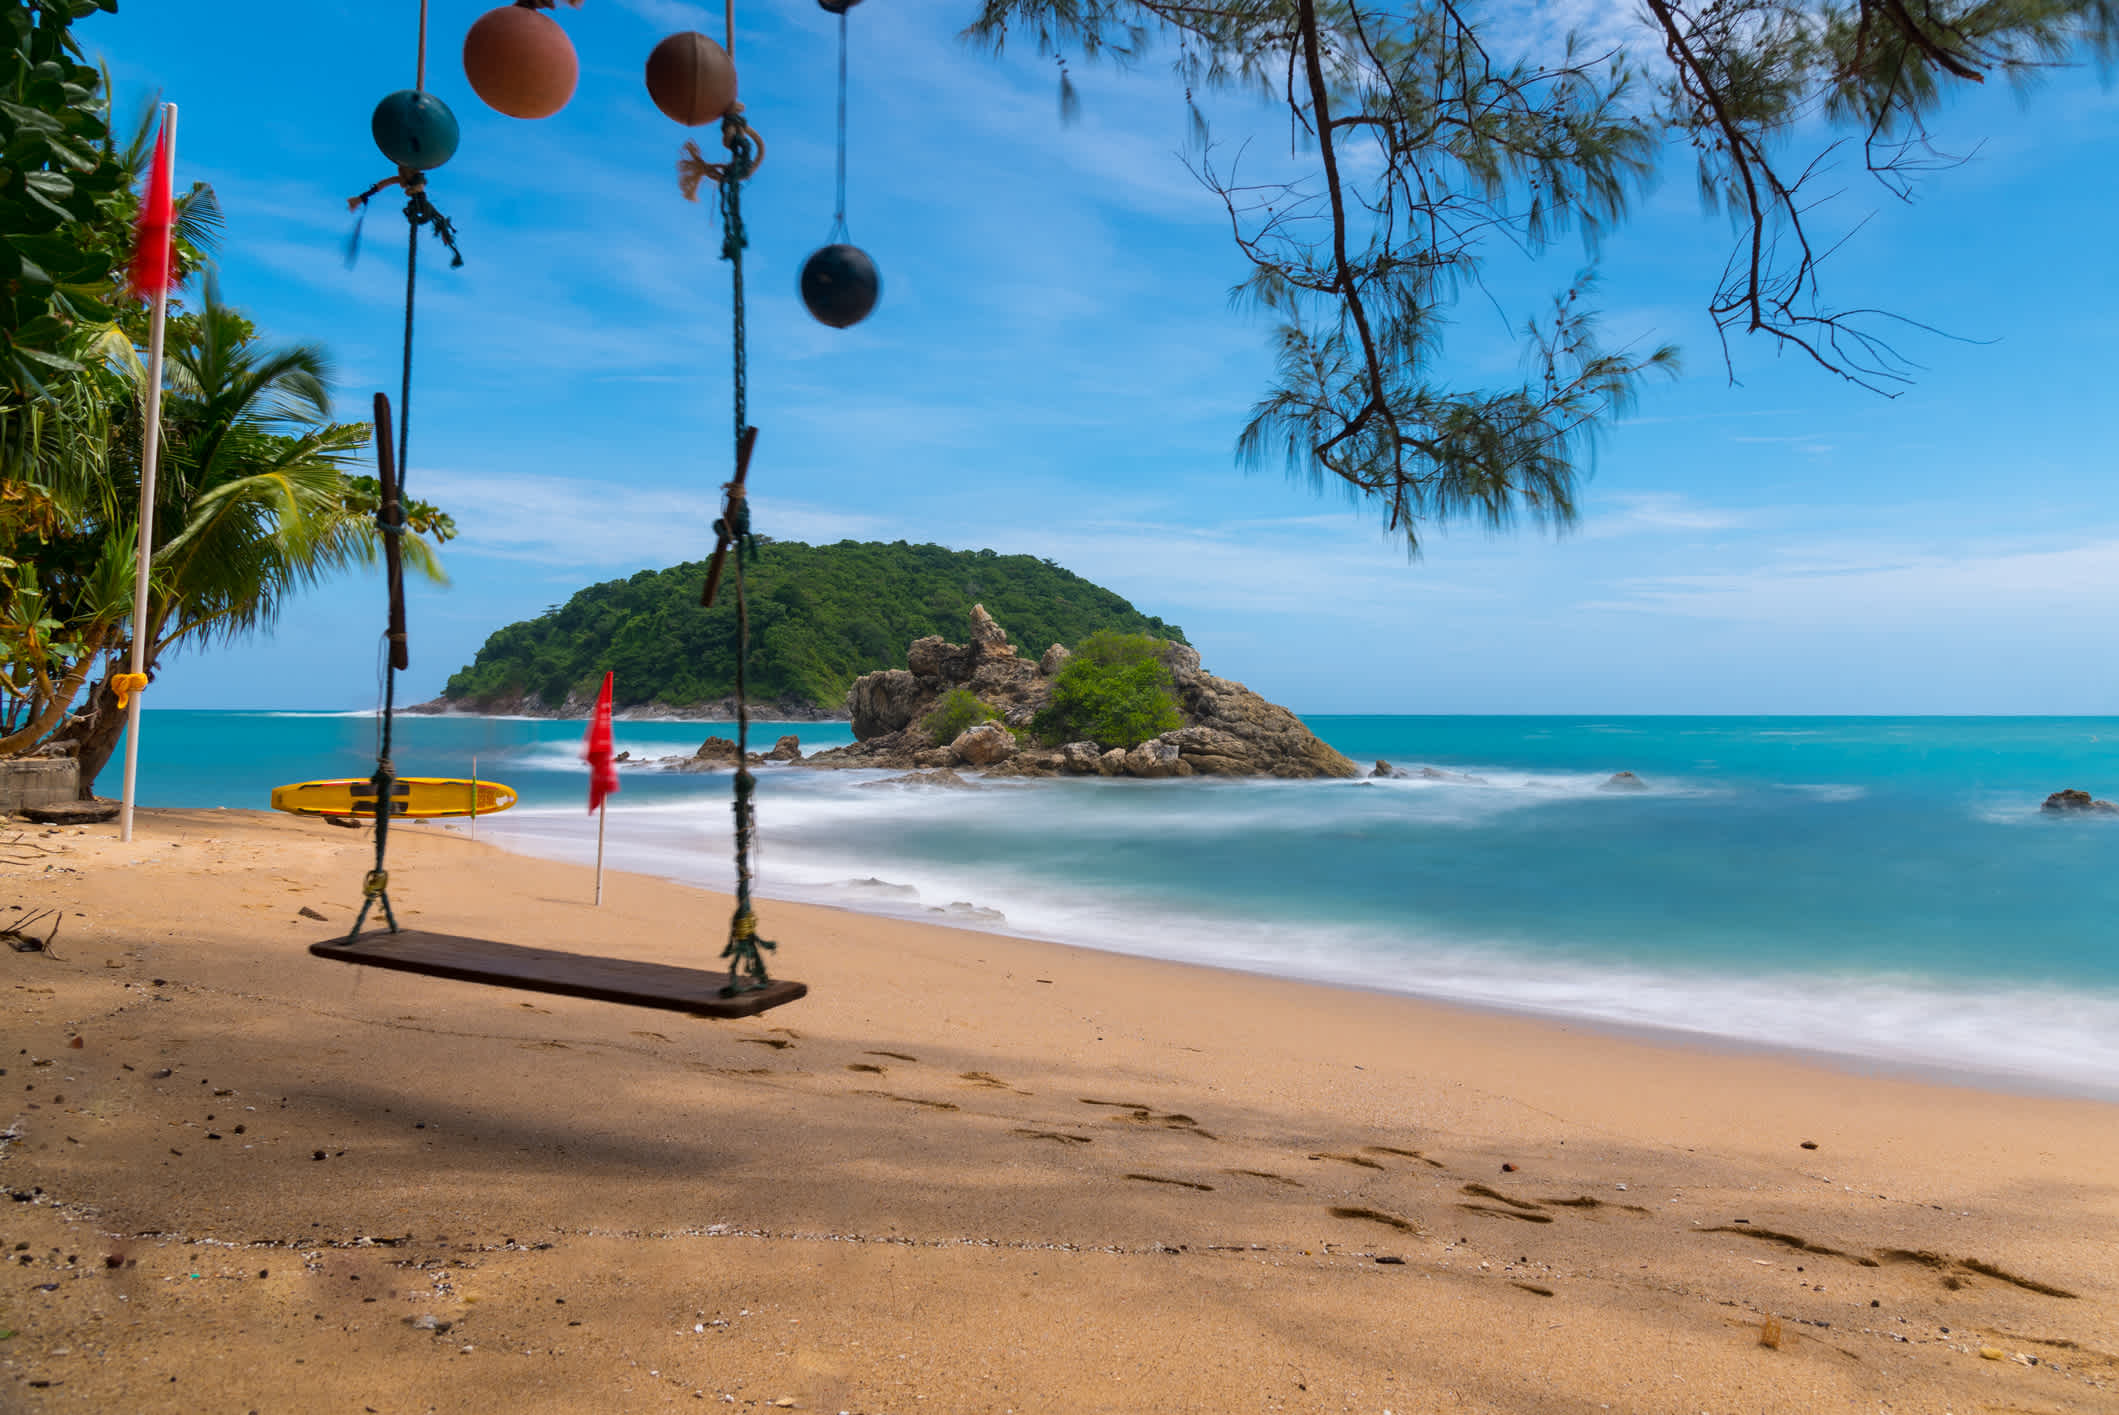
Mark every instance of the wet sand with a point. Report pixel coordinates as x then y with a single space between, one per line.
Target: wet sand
967 1173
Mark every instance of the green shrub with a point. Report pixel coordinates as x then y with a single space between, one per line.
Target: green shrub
1115 692
959 708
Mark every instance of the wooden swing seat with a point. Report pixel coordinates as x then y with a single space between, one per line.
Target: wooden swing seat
511 965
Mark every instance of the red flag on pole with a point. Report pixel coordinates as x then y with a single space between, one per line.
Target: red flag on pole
150 251
603 774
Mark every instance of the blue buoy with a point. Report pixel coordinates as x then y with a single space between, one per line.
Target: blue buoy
840 285
415 129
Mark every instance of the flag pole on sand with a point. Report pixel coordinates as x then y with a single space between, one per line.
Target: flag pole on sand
603 772
150 277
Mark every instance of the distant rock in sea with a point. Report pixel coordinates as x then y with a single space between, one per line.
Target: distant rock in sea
1624 781
2062 803
719 754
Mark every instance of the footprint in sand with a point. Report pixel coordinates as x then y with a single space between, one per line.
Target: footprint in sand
651 1036
981 1078
1492 1212
1361 1160
893 1055
1481 1191
1584 1201
867 1066
1174 1183
1392 1221
1266 1175
776 1043
1139 1114
1062 1138
1403 1154
1940 1263
911 1100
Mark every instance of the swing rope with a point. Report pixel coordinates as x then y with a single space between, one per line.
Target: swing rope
389 510
746 949
838 220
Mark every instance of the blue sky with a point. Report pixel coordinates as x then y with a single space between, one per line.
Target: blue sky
1055 369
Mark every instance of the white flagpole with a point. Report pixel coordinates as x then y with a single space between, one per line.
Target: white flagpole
474 795
602 812
150 454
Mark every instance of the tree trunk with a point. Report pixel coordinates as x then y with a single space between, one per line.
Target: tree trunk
95 734
54 709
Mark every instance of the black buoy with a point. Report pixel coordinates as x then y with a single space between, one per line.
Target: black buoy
836 7
840 285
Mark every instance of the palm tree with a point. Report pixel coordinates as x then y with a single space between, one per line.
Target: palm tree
253 501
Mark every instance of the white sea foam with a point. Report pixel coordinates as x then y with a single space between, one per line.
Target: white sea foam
825 841
1826 790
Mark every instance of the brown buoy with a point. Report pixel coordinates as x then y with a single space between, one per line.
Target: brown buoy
521 62
691 79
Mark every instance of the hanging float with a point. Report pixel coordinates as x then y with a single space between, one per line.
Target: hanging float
840 283
519 60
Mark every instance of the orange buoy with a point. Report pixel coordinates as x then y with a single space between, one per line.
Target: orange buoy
521 62
691 79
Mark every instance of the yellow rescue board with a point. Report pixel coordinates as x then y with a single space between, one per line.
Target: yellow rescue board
420 797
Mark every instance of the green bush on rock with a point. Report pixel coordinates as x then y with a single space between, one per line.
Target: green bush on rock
959 708
1115 692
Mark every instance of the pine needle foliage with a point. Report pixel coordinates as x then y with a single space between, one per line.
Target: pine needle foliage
1438 149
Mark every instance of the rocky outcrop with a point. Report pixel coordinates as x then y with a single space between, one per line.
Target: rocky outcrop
2063 803
1624 781
1227 730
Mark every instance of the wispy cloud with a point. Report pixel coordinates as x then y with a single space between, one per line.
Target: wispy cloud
592 525
1639 513
1892 587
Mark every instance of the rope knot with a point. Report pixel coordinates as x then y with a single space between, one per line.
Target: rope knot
125 685
375 883
418 210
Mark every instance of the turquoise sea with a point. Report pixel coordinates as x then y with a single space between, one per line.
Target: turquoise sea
1880 889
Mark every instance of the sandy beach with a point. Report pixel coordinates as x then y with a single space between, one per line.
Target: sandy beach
967 1173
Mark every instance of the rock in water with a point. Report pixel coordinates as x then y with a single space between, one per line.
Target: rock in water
882 703
1079 758
1624 781
1156 757
787 749
2077 802
716 751
984 744
937 776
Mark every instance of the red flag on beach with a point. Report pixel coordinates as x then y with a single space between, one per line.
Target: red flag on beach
603 774
150 251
